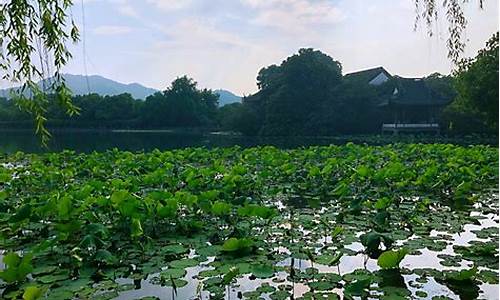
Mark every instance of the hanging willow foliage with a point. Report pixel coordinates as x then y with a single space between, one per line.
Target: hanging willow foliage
33 39
428 12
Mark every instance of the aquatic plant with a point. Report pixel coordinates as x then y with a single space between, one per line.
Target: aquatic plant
78 225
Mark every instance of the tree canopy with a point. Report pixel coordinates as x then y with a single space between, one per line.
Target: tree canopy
476 82
295 89
181 104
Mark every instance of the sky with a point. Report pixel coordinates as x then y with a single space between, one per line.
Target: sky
223 44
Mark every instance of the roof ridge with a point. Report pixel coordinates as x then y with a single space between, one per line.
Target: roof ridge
368 70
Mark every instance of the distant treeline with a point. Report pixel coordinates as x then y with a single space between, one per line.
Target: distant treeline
180 105
305 95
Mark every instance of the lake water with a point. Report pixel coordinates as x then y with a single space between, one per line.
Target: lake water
88 141
427 259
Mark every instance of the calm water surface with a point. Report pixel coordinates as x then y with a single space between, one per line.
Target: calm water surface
88 141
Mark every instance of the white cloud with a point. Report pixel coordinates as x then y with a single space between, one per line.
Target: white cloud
214 56
170 5
197 33
122 6
127 10
224 43
112 30
295 15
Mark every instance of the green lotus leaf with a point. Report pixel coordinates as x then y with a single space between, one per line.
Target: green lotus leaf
174 249
266 288
263 270
235 244
220 208
173 272
463 275
44 270
321 285
47 279
183 263
391 258
33 293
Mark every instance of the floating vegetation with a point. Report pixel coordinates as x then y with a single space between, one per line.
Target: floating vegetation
331 222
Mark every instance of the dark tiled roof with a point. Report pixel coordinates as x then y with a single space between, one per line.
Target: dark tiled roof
367 75
414 91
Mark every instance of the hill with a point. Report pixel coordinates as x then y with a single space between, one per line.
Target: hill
226 97
81 85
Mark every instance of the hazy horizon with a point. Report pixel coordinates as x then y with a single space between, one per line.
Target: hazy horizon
223 45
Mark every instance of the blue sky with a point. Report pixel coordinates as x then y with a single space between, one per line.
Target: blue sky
223 44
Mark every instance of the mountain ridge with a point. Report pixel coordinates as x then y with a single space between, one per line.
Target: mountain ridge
82 85
227 97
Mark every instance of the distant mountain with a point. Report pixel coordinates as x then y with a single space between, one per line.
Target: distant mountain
81 85
226 97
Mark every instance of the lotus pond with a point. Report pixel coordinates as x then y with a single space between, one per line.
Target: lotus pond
403 221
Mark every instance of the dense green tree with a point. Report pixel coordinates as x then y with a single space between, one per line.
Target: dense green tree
10 112
227 116
293 91
442 85
307 95
269 77
96 108
351 110
476 82
181 104
153 110
89 104
238 117
121 107
182 99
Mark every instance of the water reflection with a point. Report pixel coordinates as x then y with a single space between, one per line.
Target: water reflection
137 140
88 141
391 279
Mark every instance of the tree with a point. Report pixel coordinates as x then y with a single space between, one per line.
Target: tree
477 85
428 11
208 106
181 104
32 30
291 92
351 109
443 85
9 112
189 105
268 77
238 117
119 107
152 111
